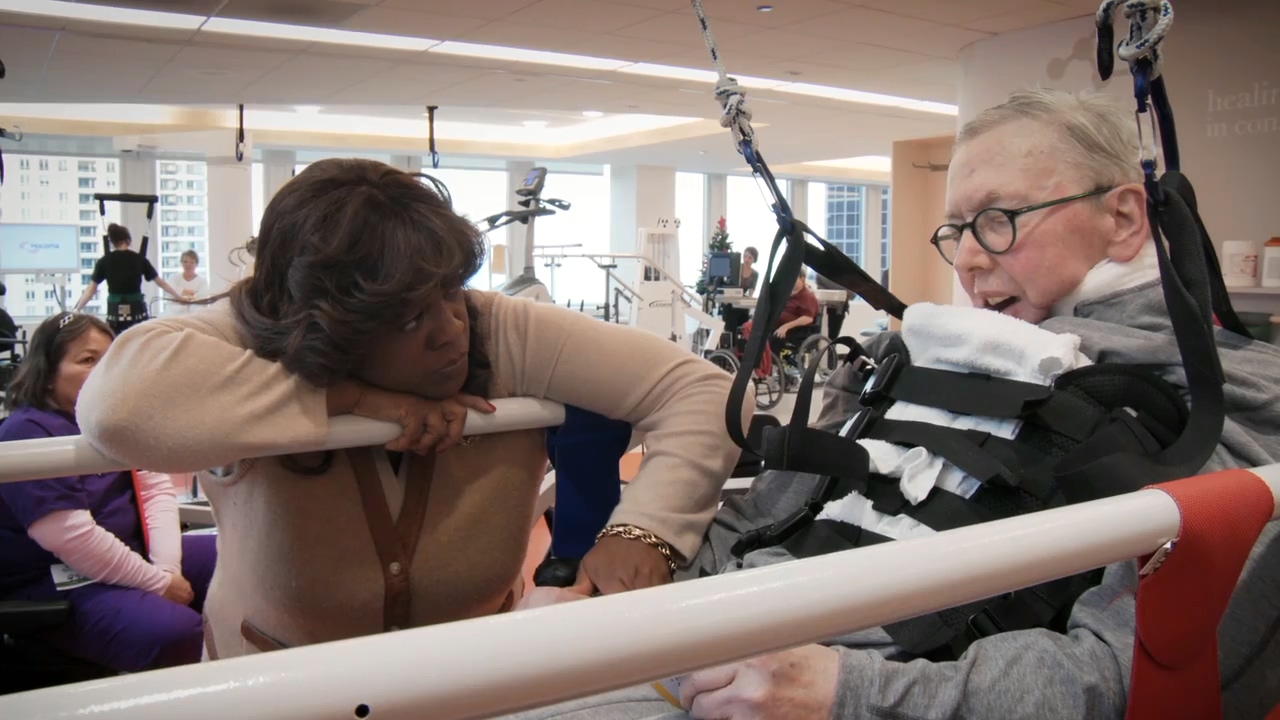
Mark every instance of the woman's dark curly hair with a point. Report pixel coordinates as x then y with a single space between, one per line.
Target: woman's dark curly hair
345 250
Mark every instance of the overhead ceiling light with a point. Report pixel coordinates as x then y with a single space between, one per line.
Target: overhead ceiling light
764 8
877 163
333 122
306 33
592 114
537 124
868 98
307 109
708 76
542 57
102 13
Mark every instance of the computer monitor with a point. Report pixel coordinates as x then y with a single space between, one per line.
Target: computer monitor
39 249
533 182
724 269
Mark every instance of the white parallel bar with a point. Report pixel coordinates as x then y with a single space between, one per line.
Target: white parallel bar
73 455
490 666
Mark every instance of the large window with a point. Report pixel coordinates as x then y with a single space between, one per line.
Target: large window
844 219
476 195
585 224
816 215
750 217
691 204
62 204
258 190
184 221
885 214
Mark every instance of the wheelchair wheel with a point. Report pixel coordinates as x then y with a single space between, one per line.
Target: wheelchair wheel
769 389
813 350
725 360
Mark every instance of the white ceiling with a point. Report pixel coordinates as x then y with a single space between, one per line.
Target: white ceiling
899 47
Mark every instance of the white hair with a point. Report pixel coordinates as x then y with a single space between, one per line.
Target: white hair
1097 135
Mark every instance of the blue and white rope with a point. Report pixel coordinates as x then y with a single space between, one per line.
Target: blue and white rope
1149 22
735 115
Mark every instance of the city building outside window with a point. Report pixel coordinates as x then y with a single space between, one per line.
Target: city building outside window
68 200
844 219
183 221
885 214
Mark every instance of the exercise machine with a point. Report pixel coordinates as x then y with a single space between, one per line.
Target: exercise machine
532 206
127 199
125 311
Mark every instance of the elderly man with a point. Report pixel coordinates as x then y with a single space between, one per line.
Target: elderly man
1046 222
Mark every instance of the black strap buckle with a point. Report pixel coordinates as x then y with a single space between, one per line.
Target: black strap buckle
877 386
855 426
984 623
775 534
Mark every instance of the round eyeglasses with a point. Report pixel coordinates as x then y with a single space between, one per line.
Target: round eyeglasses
995 229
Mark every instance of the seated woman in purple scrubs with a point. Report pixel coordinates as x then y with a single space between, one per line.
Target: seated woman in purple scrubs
110 547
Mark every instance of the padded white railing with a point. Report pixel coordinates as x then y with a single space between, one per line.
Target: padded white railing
73 455
490 666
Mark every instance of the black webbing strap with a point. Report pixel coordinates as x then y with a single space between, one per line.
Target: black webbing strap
962 448
802 247
1124 446
1067 415
1186 286
967 393
1219 297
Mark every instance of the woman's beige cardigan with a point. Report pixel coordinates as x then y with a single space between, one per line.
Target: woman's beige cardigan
359 549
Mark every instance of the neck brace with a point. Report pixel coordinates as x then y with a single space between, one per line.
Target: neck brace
1109 276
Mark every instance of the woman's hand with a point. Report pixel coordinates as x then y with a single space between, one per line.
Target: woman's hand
427 424
179 590
617 564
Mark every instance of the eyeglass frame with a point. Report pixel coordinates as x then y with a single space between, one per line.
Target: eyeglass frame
1012 215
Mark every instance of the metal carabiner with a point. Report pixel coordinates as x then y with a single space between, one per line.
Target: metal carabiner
1148 154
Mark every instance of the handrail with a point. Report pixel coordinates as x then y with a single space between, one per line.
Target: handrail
73 455
504 663
685 292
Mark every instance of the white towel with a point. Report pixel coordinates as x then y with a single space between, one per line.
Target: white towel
961 339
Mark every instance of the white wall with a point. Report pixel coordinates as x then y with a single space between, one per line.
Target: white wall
1222 66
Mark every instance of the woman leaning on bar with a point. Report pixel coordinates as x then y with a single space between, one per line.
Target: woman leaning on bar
357 305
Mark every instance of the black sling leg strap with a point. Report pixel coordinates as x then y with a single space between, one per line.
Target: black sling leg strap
1189 307
1219 297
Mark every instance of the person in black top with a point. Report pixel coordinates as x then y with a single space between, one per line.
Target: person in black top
735 317
8 331
124 270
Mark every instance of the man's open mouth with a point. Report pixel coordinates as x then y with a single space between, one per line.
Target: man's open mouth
999 304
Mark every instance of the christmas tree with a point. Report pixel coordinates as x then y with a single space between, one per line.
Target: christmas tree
719 243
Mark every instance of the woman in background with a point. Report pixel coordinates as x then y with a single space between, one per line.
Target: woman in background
749 275
110 544
123 270
191 285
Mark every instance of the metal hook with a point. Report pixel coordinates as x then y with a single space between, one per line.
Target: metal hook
240 143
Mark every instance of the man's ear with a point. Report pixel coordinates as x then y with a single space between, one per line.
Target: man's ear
1127 206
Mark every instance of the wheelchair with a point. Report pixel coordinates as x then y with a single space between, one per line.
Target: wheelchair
782 370
26 663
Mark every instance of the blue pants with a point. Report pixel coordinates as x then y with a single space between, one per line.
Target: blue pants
131 630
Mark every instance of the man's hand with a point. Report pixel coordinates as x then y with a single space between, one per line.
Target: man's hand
781 332
617 564
796 684
545 596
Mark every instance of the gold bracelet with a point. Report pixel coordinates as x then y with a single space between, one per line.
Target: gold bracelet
631 532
